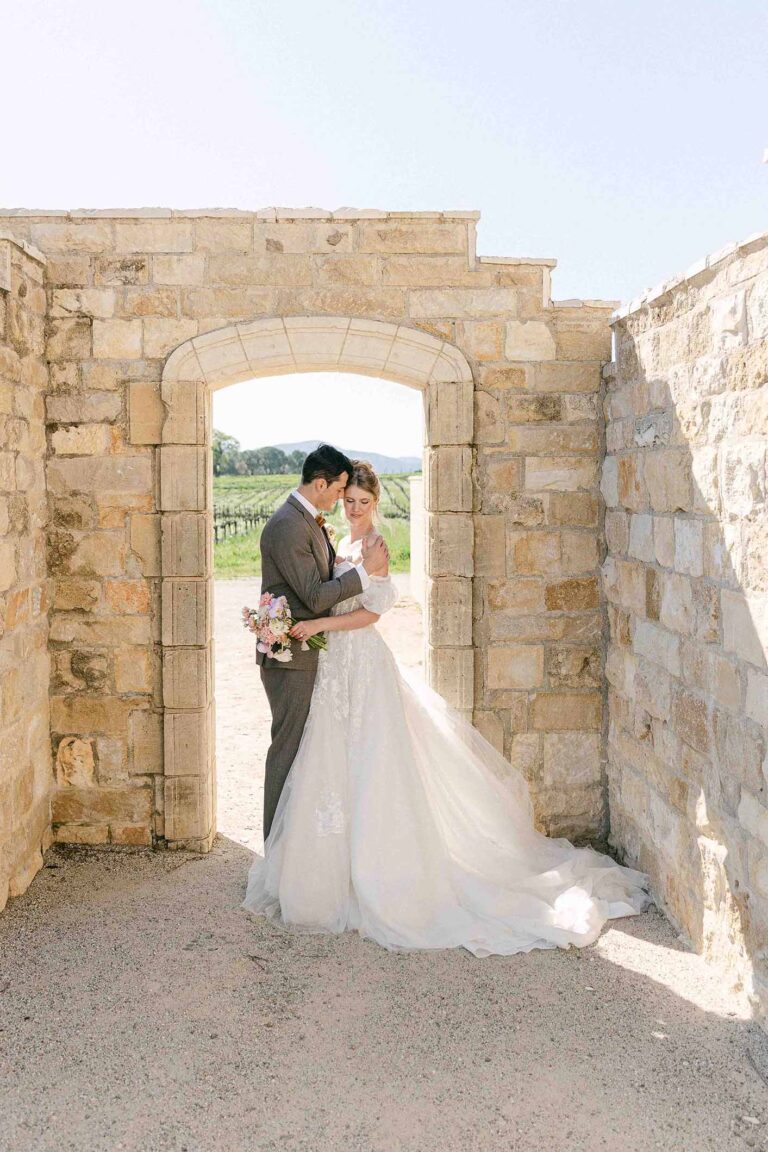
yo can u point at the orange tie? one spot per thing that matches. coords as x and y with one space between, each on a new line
320 519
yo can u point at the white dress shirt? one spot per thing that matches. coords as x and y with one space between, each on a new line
364 577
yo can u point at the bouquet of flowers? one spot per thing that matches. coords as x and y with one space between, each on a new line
271 622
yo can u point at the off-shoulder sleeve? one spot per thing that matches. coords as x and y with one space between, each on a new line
381 595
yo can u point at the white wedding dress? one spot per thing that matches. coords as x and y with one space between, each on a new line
393 822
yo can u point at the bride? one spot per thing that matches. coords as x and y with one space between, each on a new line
393 819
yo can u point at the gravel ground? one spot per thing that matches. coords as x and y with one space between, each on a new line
142 1009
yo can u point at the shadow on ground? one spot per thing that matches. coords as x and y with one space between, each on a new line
142 1008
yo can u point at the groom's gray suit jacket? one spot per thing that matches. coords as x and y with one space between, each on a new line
297 562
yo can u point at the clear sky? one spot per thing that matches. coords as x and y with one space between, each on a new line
622 137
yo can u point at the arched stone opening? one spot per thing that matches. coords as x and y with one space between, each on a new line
269 347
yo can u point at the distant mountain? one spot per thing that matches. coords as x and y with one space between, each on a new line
379 462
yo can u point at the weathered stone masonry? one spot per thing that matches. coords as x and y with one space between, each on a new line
115 328
147 312
26 779
686 581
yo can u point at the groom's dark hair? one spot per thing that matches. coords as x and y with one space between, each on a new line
326 462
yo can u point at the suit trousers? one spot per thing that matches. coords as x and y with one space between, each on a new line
289 692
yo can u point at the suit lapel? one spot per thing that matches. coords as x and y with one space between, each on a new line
315 528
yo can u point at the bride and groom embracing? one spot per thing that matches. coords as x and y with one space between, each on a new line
385 811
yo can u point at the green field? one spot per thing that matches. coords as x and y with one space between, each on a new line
242 504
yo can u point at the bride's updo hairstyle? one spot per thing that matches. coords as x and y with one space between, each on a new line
363 476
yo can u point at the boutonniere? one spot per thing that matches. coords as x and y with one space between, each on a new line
331 532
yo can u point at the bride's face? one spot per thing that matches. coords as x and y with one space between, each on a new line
358 507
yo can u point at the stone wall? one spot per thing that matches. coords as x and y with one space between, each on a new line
686 583
148 312
26 777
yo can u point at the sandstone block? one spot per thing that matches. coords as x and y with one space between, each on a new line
743 480
450 544
573 509
562 473
501 479
664 540
133 670
571 759
117 339
677 609
533 553
578 553
216 235
391 236
91 805
502 376
83 714
641 537
187 677
82 440
76 594
450 612
516 666
572 595
449 413
566 711
83 409
573 667
689 542
567 377
519 597
162 335
186 268
490 546
75 765
187 612
669 480
69 339
125 597
756 706
690 719
657 645
146 413
452 672
184 478
186 544
609 481
145 541
489 423
449 478
483 340
491 726
529 340
188 812
745 626
117 271
79 302
468 303
186 408
188 738
156 235
145 741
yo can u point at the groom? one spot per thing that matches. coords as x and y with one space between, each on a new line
297 560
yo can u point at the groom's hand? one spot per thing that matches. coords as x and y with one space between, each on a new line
375 556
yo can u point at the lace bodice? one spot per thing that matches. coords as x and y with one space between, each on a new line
379 596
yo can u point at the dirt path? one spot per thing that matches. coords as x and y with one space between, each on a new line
242 712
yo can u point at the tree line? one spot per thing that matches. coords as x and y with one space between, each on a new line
230 460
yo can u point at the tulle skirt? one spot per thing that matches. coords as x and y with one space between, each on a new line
400 821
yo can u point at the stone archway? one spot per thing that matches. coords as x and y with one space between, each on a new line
269 347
